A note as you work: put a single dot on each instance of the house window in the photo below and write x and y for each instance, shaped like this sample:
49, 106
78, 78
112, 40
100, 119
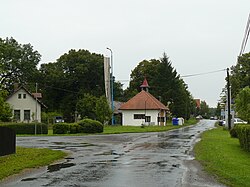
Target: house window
24, 96
139, 116
17, 115
19, 96
148, 119
27, 115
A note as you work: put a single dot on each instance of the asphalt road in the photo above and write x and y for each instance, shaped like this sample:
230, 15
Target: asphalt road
124, 160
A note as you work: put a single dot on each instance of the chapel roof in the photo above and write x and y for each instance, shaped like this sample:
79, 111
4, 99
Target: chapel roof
143, 100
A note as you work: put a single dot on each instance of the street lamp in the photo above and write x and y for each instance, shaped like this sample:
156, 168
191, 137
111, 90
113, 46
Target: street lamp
112, 87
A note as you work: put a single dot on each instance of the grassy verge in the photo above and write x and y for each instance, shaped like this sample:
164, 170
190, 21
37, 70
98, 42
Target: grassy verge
222, 157
138, 129
118, 129
27, 158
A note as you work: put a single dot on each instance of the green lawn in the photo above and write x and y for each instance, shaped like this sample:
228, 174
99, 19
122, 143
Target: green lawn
222, 156
27, 158
118, 129
136, 129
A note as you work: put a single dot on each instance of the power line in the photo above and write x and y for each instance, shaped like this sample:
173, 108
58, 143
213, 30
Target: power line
205, 73
245, 38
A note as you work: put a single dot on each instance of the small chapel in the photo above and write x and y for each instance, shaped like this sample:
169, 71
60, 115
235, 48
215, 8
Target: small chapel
144, 109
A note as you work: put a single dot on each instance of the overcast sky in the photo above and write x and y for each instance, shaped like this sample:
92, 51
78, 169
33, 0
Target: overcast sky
198, 35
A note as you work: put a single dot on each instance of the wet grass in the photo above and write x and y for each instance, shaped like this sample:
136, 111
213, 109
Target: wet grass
137, 129
118, 129
27, 158
222, 157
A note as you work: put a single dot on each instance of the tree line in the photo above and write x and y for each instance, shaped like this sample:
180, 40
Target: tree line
240, 83
74, 83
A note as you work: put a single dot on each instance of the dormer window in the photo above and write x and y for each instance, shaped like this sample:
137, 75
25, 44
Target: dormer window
19, 96
24, 96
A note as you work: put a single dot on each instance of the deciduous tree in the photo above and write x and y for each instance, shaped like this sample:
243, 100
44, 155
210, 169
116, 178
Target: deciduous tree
5, 109
18, 63
102, 110
240, 77
65, 81
242, 104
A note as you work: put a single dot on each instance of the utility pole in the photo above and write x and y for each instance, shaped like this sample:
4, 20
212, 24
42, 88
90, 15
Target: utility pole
36, 109
228, 101
112, 87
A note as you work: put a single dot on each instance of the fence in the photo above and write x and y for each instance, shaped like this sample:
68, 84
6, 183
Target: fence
7, 141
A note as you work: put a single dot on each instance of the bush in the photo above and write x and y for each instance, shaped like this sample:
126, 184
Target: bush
233, 132
74, 128
243, 133
27, 128
90, 126
66, 128
60, 128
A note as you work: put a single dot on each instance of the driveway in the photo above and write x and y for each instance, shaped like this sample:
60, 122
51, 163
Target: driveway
122, 160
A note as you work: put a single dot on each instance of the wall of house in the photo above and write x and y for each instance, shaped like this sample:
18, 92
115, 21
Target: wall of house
128, 117
28, 103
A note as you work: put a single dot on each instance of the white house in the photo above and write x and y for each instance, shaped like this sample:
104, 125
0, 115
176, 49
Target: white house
143, 108
26, 106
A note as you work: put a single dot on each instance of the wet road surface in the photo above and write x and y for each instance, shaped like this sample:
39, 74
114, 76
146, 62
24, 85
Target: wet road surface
123, 160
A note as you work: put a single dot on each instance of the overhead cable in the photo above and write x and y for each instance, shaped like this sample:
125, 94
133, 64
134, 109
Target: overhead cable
198, 74
246, 36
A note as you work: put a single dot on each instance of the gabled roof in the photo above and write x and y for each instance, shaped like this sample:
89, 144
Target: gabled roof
26, 90
142, 101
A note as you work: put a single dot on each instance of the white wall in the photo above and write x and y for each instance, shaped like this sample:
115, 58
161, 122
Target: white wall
128, 117
25, 104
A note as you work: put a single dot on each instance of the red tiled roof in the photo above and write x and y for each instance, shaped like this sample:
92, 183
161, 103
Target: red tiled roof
143, 100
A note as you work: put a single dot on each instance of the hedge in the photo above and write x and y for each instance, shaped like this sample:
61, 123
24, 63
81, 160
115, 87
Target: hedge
84, 126
74, 128
66, 128
243, 133
27, 128
233, 132
91, 126
60, 128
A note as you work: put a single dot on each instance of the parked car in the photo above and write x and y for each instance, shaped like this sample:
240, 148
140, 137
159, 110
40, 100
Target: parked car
199, 117
236, 121
239, 121
59, 119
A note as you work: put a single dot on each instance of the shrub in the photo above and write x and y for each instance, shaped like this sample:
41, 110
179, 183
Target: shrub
74, 128
60, 128
233, 132
27, 128
243, 133
90, 126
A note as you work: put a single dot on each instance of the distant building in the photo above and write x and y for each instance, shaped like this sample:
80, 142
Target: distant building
26, 106
143, 108
198, 103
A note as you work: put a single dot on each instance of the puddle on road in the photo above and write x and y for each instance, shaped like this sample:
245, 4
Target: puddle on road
57, 167
64, 145
69, 158
73, 144
111, 152
160, 163
140, 158
28, 179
